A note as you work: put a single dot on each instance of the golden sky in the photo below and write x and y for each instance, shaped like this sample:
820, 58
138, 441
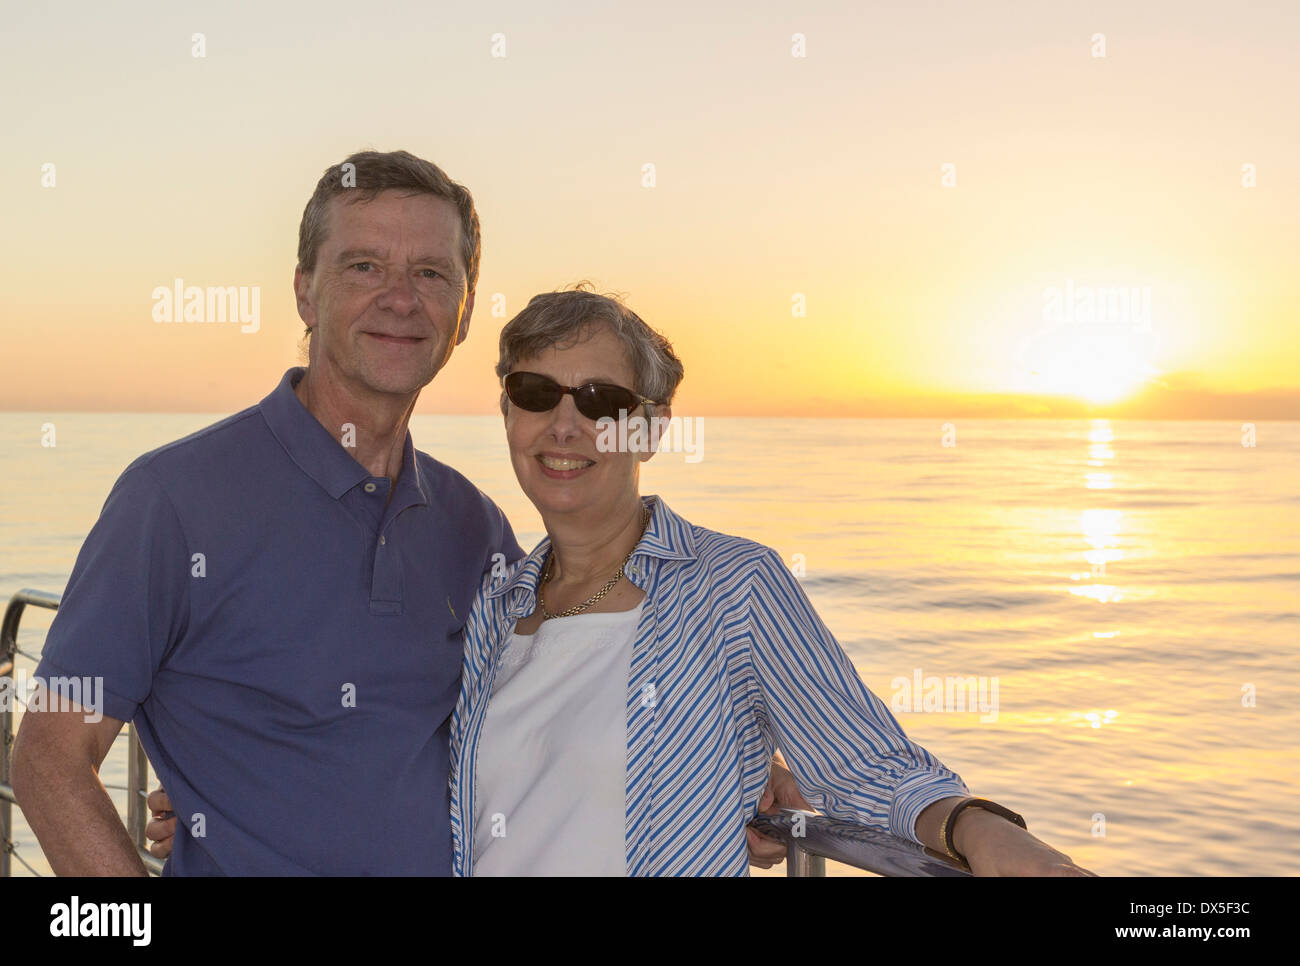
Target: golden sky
776, 178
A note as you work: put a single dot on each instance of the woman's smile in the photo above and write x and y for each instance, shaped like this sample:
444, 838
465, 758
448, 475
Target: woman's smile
564, 466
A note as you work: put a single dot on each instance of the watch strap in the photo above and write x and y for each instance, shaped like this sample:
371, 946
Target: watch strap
946, 830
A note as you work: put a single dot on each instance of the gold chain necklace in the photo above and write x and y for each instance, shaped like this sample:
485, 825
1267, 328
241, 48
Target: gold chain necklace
609, 585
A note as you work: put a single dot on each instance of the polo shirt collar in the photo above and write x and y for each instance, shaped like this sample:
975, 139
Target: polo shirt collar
320, 456
410, 489
667, 537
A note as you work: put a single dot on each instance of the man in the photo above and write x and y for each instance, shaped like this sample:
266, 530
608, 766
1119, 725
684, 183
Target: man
277, 600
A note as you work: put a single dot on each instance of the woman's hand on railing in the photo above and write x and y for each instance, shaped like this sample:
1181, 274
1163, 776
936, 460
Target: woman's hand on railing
994, 846
161, 830
781, 792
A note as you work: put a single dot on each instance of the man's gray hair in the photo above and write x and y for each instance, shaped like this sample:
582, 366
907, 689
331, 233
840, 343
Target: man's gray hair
368, 174
569, 316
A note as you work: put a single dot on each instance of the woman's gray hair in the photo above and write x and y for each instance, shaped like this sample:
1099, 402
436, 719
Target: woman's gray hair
566, 317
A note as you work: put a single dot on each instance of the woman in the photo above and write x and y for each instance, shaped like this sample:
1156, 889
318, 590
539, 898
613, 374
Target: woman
626, 684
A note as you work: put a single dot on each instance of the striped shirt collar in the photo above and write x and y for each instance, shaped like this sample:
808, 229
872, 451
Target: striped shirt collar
667, 537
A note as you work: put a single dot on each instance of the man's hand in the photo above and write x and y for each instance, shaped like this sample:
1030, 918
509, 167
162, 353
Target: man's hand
161, 830
781, 792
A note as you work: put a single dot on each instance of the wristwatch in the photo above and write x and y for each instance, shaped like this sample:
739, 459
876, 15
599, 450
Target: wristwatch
950, 823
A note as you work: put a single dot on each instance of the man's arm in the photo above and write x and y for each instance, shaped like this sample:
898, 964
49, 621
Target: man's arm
56, 781
126, 604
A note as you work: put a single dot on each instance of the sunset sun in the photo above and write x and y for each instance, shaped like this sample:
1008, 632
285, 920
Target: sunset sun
1099, 364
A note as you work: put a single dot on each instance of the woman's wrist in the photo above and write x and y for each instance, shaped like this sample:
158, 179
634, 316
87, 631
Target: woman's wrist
976, 825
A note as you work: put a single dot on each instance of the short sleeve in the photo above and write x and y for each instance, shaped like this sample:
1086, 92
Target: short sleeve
127, 601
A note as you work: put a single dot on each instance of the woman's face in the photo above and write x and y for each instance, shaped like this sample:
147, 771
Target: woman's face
555, 454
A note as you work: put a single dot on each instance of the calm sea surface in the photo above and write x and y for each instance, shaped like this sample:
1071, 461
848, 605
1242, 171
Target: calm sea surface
1132, 587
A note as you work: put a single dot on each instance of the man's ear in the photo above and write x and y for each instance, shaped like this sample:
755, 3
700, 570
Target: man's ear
464, 319
302, 295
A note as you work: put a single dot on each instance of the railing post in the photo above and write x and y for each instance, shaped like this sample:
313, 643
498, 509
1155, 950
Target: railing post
8, 647
137, 777
803, 865
7, 739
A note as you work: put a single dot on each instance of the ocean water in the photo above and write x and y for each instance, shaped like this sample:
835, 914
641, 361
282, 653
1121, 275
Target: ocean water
1129, 592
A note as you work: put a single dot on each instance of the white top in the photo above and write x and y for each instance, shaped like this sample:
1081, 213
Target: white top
552, 758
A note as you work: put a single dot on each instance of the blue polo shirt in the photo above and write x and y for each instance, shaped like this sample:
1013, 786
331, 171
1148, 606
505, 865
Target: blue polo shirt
287, 640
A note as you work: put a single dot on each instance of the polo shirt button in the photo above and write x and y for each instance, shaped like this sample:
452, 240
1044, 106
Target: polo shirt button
383, 540
370, 488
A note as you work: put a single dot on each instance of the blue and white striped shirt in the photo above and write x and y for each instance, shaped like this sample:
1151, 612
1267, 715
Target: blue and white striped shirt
730, 663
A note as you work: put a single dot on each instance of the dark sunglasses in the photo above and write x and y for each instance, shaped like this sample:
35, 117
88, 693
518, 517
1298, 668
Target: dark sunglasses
536, 393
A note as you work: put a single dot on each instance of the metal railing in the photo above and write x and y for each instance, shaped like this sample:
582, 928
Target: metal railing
137, 767
810, 839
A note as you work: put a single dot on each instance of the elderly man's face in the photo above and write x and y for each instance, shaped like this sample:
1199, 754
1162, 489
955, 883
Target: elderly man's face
388, 299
